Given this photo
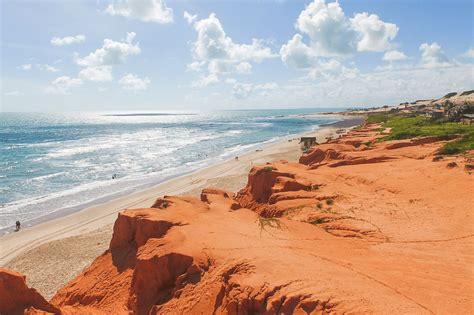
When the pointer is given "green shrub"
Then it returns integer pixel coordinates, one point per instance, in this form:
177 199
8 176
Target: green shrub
459 146
268 169
377 118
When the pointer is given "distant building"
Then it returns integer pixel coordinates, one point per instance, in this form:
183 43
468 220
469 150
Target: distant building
437 113
467 119
307 142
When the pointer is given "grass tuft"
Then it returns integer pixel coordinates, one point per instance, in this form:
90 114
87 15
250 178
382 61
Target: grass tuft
268 222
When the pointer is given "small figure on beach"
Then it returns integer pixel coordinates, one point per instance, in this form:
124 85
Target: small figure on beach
114 176
17 226
236 158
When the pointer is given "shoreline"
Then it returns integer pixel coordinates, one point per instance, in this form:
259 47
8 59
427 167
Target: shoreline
69 210
97 216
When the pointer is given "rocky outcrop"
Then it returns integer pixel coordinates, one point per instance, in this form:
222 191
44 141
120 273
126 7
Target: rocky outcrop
17 298
318 156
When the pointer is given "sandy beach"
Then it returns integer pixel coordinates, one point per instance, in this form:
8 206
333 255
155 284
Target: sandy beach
54 252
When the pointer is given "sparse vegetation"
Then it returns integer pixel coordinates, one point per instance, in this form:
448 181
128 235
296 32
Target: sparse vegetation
268 222
403 127
318 221
329 201
315 187
319 205
459 146
165 205
268 169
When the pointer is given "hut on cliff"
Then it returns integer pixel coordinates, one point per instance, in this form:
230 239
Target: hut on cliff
307 142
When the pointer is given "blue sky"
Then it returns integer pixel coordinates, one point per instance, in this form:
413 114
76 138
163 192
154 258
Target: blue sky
144 54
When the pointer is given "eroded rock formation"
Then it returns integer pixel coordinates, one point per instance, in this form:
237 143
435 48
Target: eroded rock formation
351 228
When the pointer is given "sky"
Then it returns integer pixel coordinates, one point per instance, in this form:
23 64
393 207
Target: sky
241 54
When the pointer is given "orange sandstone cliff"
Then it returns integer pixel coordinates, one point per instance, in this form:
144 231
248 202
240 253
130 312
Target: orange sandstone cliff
357 226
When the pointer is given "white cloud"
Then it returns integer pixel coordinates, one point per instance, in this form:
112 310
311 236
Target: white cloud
47 68
432 56
469 53
332 34
25 67
366 89
111 53
245 90
332 69
97 74
189 18
214 48
297 54
134 83
375 34
204 81
61 85
143 10
68 40
195 66
243 67
326 25
394 55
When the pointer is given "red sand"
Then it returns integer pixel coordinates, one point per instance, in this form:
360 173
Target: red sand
353 228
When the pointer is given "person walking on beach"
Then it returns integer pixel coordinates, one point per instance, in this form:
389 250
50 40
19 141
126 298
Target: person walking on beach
18 224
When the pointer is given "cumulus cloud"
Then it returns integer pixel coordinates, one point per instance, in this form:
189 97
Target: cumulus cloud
189 18
134 83
394 55
144 10
375 34
297 54
111 53
332 35
97 74
328 28
222 56
432 56
61 85
68 40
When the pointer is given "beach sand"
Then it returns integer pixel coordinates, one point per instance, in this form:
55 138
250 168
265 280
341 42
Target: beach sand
52 253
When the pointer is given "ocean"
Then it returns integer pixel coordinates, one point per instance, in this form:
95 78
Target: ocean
62 162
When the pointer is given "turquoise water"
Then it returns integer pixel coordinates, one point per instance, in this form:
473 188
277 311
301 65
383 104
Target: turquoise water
50 162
